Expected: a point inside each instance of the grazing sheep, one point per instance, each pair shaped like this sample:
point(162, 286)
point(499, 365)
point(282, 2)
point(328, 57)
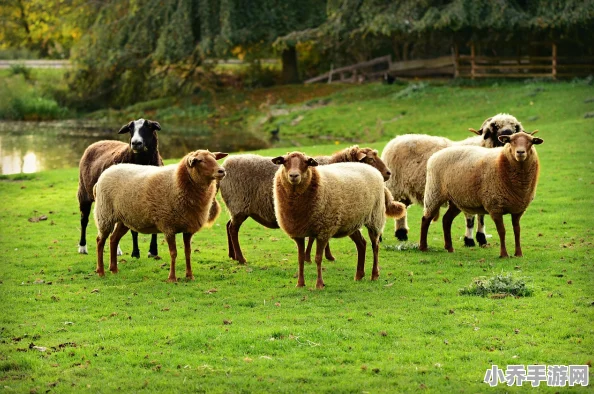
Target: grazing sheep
point(247, 190)
point(331, 201)
point(177, 198)
point(476, 180)
point(143, 149)
point(407, 156)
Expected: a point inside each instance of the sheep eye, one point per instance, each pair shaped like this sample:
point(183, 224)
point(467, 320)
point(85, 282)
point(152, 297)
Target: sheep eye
point(517, 128)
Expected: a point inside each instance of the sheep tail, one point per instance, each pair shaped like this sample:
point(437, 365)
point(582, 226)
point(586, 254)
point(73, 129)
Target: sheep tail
point(394, 209)
point(213, 213)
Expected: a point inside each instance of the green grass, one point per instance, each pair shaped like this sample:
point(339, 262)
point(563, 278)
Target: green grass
point(409, 330)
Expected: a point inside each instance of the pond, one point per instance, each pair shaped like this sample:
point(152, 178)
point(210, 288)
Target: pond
point(27, 147)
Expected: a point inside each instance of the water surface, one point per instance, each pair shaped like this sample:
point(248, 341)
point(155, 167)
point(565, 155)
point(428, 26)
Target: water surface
point(27, 147)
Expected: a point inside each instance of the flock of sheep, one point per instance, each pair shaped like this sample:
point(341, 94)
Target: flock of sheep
point(319, 198)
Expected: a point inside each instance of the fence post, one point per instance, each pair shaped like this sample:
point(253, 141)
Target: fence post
point(330, 74)
point(472, 64)
point(456, 61)
point(554, 59)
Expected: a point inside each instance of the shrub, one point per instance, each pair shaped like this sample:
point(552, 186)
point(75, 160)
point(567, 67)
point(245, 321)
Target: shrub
point(498, 285)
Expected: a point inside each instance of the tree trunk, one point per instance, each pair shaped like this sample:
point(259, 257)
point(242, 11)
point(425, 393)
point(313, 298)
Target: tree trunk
point(290, 72)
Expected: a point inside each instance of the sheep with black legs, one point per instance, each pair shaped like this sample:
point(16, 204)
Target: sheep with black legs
point(331, 201)
point(177, 198)
point(407, 156)
point(482, 181)
point(247, 190)
point(143, 149)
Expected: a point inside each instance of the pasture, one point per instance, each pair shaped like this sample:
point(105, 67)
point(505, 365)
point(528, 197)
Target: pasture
point(247, 328)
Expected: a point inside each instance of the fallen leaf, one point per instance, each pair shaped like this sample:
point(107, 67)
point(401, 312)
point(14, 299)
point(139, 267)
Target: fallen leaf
point(227, 322)
point(95, 291)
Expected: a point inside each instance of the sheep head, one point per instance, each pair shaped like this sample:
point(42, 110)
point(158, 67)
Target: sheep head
point(496, 126)
point(520, 144)
point(370, 156)
point(296, 167)
point(203, 164)
point(143, 134)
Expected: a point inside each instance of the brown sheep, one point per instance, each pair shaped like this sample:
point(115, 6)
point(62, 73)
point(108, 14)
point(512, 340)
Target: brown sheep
point(177, 198)
point(247, 190)
point(330, 202)
point(477, 180)
point(143, 148)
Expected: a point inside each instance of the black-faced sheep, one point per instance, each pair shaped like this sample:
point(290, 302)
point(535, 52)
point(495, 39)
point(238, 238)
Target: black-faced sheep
point(331, 201)
point(177, 198)
point(247, 190)
point(143, 149)
point(476, 180)
point(407, 156)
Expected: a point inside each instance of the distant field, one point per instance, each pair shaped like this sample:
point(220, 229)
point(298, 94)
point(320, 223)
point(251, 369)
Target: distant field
point(248, 329)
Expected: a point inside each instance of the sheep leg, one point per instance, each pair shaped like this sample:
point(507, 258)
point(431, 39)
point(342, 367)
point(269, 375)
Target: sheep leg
point(153, 250)
point(187, 252)
point(235, 252)
point(85, 211)
point(328, 253)
point(101, 238)
point(118, 232)
point(361, 244)
point(170, 238)
point(320, 246)
point(498, 219)
point(310, 242)
point(374, 237)
point(481, 236)
point(230, 248)
point(516, 225)
point(300, 258)
point(425, 223)
point(468, 240)
point(135, 250)
point(401, 224)
point(448, 218)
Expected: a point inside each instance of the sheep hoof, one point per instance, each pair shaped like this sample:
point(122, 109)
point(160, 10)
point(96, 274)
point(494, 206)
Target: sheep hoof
point(374, 276)
point(151, 256)
point(82, 249)
point(320, 285)
point(136, 254)
point(300, 284)
point(307, 259)
point(359, 275)
point(401, 234)
point(114, 270)
point(330, 258)
point(469, 242)
point(189, 278)
point(518, 255)
point(423, 248)
point(100, 273)
point(481, 239)
point(172, 280)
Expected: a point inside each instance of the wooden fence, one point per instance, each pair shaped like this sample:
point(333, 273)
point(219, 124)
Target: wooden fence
point(554, 66)
point(464, 66)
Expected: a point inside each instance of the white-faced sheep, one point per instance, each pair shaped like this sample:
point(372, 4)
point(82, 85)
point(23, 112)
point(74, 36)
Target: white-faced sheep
point(143, 149)
point(476, 180)
point(331, 201)
point(407, 156)
point(247, 190)
point(177, 198)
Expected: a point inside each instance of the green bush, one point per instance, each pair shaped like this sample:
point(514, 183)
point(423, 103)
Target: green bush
point(498, 285)
point(21, 100)
point(21, 69)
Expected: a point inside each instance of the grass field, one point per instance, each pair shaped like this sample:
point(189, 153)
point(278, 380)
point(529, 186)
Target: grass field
point(248, 329)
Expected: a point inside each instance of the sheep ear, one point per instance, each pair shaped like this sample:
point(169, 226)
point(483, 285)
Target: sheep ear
point(375, 152)
point(126, 128)
point(537, 141)
point(504, 139)
point(311, 162)
point(479, 132)
point(360, 156)
point(279, 160)
point(154, 125)
point(220, 155)
point(192, 161)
